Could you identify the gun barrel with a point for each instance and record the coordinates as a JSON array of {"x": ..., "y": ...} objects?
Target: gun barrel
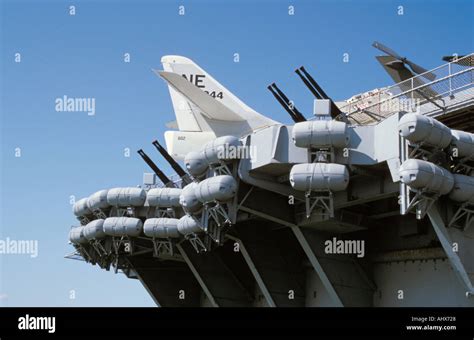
[
  {"x": 290, "y": 104},
  {"x": 317, "y": 91},
  {"x": 309, "y": 85},
  {"x": 176, "y": 167},
  {"x": 166, "y": 181},
  {"x": 282, "y": 95},
  {"x": 296, "y": 115},
  {"x": 314, "y": 83},
  {"x": 283, "y": 104}
]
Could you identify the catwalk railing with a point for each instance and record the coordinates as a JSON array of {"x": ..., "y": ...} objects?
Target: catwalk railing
[{"x": 450, "y": 86}]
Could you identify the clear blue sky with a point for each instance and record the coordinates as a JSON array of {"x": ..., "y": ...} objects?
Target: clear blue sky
[{"x": 71, "y": 153}]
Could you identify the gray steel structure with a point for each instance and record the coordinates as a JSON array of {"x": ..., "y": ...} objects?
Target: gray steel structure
[{"x": 268, "y": 244}]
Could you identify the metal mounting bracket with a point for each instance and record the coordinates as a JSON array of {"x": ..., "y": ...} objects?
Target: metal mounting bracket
[
  {"x": 98, "y": 247},
  {"x": 464, "y": 215},
  {"x": 123, "y": 240},
  {"x": 164, "y": 212},
  {"x": 196, "y": 242},
  {"x": 421, "y": 203},
  {"x": 162, "y": 247},
  {"x": 99, "y": 214},
  {"x": 323, "y": 200}
]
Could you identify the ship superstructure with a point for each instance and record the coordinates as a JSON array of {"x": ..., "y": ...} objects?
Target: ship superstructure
[{"x": 368, "y": 203}]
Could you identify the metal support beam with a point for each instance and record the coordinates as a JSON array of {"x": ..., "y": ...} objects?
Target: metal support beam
[
  {"x": 148, "y": 289},
  {"x": 307, "y": 249},
  {"x": 223, "y": 275},
  {"x": 267, "y": 216},
  {"x": 342, "y": 275},
  {"x": 160, "y": 277},
  {"x": 254, "y": 271},
  {"x": 197, "y": 276},
  {"x": 339, "y": 274},
  {"x": 317, "y": 266},
  {"x": 443, "y": 236}
]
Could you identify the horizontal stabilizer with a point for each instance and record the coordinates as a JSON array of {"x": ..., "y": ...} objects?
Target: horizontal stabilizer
[
  {"x": 395, "y": 68},
  {"x": 400, "y": 75},
  {"x": 209, "y": 106}
]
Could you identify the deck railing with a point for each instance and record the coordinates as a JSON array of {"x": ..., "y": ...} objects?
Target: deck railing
[{"x": 431, "y": 87}]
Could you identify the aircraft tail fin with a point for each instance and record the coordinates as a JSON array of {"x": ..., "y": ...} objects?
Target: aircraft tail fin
[
  {"x": 204, "y": 108},
  {"x": 196, "y": 112}
]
